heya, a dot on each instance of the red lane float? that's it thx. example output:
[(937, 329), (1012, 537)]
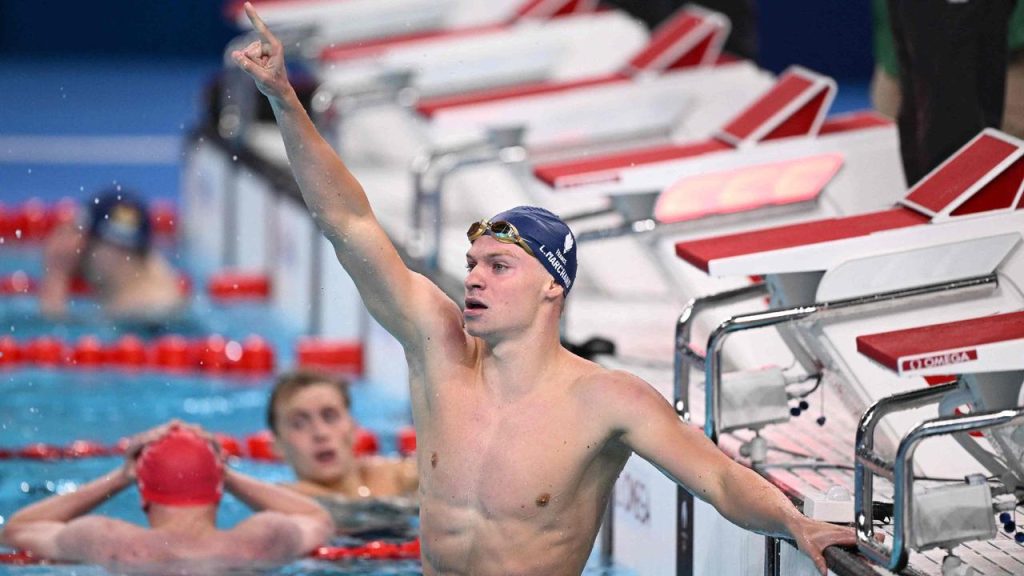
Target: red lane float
[(171, 353), (33, 219), (232, 285), (407, 441), (375, 550), (256, 446), (335, 355), (19, 558), (365, 443)]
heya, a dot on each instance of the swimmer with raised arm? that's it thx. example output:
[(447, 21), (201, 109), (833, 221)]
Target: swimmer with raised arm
[(181, 477), (519, 441)]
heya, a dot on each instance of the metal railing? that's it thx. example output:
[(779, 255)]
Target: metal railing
[(901, 470), (686, 356), (432, 168), (333, 106), (713, 355)]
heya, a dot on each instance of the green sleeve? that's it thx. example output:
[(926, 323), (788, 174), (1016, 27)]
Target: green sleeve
[(885, 48)]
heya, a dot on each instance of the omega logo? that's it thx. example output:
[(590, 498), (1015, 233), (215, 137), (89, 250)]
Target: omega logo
[(936, 360), (632, 496)]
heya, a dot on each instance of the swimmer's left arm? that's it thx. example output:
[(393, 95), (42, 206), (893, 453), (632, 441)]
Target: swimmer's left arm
[(647, 424), (37, 527)]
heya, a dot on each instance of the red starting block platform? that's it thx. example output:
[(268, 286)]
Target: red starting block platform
[(988, 344), (985, 178)]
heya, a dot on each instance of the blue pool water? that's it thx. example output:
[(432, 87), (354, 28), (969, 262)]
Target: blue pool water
[(58, 406)]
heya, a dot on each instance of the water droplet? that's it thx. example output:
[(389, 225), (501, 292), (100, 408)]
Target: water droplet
[(234, 157), (17, 233)]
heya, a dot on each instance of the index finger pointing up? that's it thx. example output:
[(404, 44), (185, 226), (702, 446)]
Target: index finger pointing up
[(257, 22)]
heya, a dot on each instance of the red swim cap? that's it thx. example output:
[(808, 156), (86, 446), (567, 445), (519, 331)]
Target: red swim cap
[(179, 469)]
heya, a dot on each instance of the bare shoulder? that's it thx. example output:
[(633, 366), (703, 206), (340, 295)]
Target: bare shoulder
[(616, 394), (598, 382)]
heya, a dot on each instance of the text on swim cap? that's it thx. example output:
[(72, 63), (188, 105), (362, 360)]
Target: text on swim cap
[(557, 261)]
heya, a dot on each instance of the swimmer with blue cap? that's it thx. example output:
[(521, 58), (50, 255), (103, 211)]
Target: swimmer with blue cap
[(110, 245), (519, 441), (180, 476)]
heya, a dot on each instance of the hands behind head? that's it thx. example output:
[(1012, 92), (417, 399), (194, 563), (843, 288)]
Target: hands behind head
[(263, 59), (139, 441)]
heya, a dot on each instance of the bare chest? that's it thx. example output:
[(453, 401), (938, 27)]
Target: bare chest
[(520, 459)]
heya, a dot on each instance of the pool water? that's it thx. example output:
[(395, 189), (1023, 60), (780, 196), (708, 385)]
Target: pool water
[(60, 405)]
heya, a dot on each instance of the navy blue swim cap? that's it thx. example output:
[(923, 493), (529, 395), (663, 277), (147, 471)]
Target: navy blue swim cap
[(120, 218), (550, 239)]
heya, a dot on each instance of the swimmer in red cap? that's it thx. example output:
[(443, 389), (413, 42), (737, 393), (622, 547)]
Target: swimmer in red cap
[(181, 477), (110, 245), (314, 431), (519, 441)]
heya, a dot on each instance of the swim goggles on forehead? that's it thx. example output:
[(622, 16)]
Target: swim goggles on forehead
[(501, 231)]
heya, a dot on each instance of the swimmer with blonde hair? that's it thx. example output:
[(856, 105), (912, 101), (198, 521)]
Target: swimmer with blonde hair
[(181, 477), (314, 431), (519, 441)]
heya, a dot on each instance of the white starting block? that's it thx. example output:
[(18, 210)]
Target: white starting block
[(566, 48), (987, 353), (779, 160), (368, 20), (676, 88), (956, 236)]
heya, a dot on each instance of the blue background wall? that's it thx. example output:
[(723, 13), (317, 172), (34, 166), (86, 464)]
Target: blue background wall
[(832, 36)]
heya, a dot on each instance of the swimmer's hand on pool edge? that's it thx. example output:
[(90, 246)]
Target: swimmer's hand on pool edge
[(263, 59), (813, 537)]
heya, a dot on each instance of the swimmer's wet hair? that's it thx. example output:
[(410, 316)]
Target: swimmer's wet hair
[(288, 383)]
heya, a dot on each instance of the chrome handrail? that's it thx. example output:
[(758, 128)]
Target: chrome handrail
[(713, 355), (902, 468), (867, 464), (433, 167), (685, 355), (331, 106)]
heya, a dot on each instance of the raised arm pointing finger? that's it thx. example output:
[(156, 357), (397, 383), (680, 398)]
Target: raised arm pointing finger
[(263, 59)]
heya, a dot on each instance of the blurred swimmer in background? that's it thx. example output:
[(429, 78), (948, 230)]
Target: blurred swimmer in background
[(109, 244), (314, 431)]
